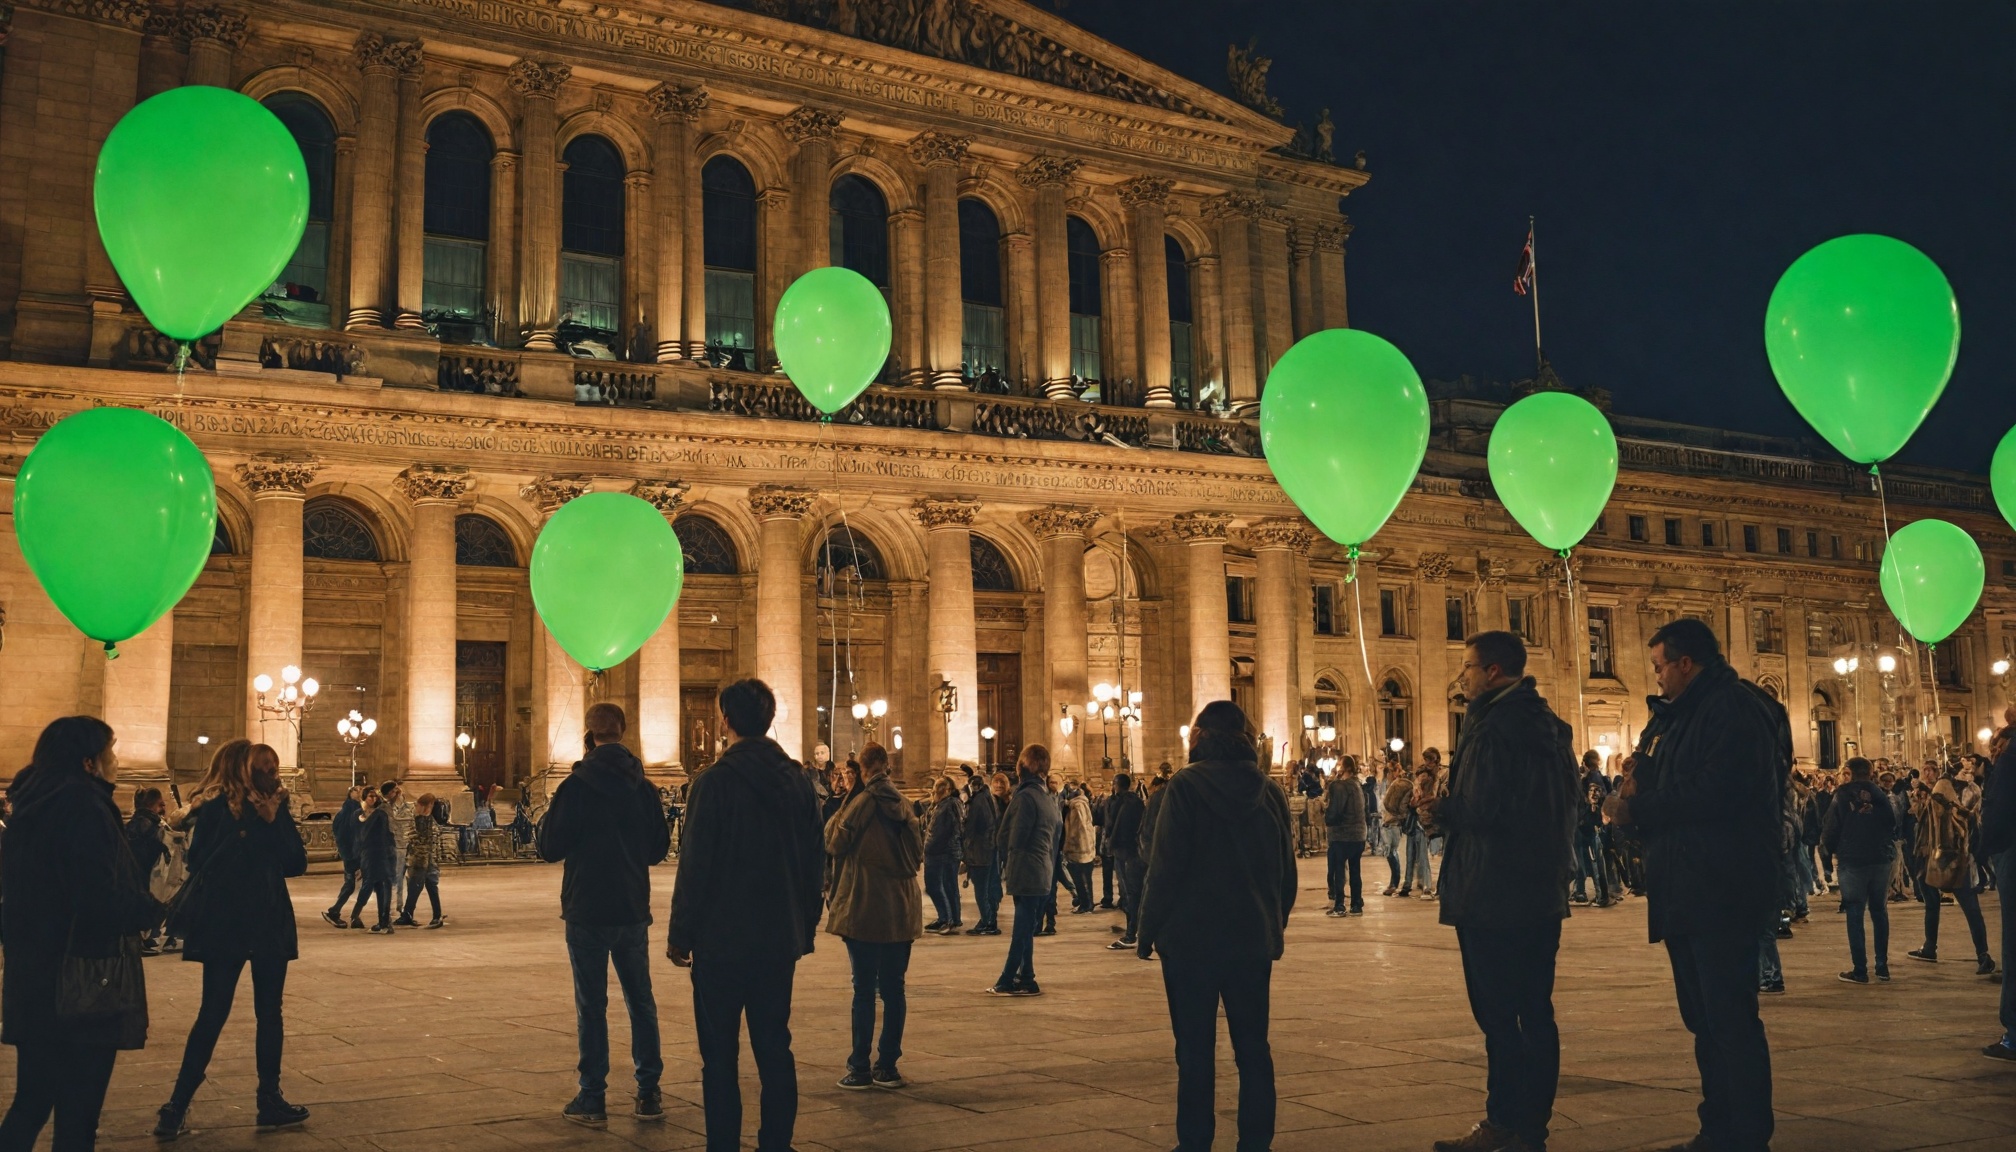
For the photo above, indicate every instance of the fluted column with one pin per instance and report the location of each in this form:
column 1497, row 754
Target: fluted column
column 1147, row 201
column 430, row 619
column 1203, row 536
column 775, row 226
column 537, row 84
column 1332, row 311
column 1117, row 313
column 1234, row 213
column 1302, row 282
column 410, row 185
column 1276, row 543
column 163, row 62
column 950, row 643
column 939, row 155
column 213, row 34
column 1049, row 175
column 1273, row 303
column 780, row 632
column 371, row 207
column 136, row 703
column 501, row 275
column 677, row 111
column 658, row 661
column 558, row 686
column 1207, row 330
column 279, row 487
column 637, row 318
column 1062, row 528
column 811, row 129
column 1025, row 358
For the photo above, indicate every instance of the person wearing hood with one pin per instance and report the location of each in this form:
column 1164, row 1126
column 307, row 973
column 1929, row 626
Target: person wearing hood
column 604, row 824
column 1706, row 795
column 745, row 909
column 875, row 846
column 976, row 846
column 1221, row 882
column 1030, row 829
column 1509, row 817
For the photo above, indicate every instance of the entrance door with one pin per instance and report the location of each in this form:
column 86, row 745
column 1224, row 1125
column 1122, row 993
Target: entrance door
column 1001, row 705
column 479, row 709
column 699, row 721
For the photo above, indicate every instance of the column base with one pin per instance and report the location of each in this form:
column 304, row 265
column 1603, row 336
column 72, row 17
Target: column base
column 950, row 381
column 540, row 341
column 1065, row 389
column 1159, row 398
column 364, row 318
column 409, row 320
column 696, row 351
column 670, row 351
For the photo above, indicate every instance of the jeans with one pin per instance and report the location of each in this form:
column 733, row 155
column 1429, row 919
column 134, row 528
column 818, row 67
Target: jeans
column 1417, row 863
column 1509, row 972
column 1804, row 881
column 724, row 992
column 986, row 892
column 220, row 987
column 878, row 970
column 1195, row 987
column 1715, row 980
column 591, row 950
column 1769, row 969
column 353, row 881
column 376, row 886
column 941, row 883
column 1389, row 847
column 417, row 879
column 68, row 1080
column 1867, row 886
column 1020, row 967
column 1343, row 870
column 1970, row 907
column 1589, row 864
column 1133, row 872
column 1081, row 886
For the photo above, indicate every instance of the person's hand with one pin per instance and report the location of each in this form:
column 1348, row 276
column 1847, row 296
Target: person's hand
column 680, row 959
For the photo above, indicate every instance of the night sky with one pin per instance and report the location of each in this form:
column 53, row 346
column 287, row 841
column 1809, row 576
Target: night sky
column 1677, row 155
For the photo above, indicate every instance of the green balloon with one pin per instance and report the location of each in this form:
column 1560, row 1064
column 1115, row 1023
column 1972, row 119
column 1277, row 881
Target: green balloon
column 832, row 335
column 201, row 196
column 115, row 510
column 1344, row 424
column 1932, row 577
column 2002, row 476
column 606, row 571
column 1862, row 333
column 1553, row 461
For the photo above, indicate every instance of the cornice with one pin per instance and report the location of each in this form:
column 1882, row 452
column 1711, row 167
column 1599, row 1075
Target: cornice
column 120, row 13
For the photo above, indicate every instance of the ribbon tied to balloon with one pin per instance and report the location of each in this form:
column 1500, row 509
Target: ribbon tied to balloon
column 606, row 571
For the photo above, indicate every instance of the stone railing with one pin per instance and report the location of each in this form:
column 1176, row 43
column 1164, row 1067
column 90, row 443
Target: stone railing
column 630, row 385
column 486, row 375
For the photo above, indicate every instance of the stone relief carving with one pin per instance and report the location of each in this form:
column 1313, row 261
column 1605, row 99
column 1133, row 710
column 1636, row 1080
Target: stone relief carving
column 433, row 482
column 1064, row 520
column 664, row 495
column 1492, row 571
column 339, row 358
column 1043, row 170
column 1145, row 190
column 125, row 13
column 1281, row 532
column 533, row 78
column 270, row 472
column 802, row 124
column 667, row 102
column 1241, row 204
column 1247, row 71
column 933, row 513
column 1435, row 567
column 548, row 493
column 930, row 148
column 375, row 51
column 219, row 24
column 771, row 501
column 1195, row 526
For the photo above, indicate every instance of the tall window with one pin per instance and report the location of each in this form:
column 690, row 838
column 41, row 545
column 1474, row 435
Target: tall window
column 991, row 571
column 859, row 238
column 728, row 224
column 1520, row 618
column 457, row 222
column 1082, row 257
column 1454, row 619
column 301, row 294
column 1749, row 538
column 1637, row 526
column 1672, row 531
column 1182, row 337
column 984, row 341
column 1392, row 612
column 1785, row 541
column 1707, row 534
column 1324, row 599
column 1813, row 544
column 591, row 245
column 1602, row 656
column 1769, row 631
column 1239, row 599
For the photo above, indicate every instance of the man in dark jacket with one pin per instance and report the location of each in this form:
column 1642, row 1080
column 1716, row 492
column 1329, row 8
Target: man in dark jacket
column 1996, row 840
column 1509, row 816
column 976, row 845
column 343, row 829
column 1031, row 835
column 1221, row 882
column 1858, row 832
column 1589, row 863
column 1123, row 835
column 1706, row 798
column 606, row 826
column 145, row 840
column 1344, row 820
column 745, row 908
column 377, row 853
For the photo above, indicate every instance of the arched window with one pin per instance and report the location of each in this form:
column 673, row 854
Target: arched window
column 982, row 293
column 481, row 543
column 1182, row 338
column 1081, row 249
column 457, row 223
column 301, row 294
column 709, row 551
column 1396, row 719
column 333, row 530
column 991, row 572
column 728, row 227
column 1329, row 705
column 220, row 540
column 860, row 229
column 1827, row 731
column 848, row 554
column 591, row 245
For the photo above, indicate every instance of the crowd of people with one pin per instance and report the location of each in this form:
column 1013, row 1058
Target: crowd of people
column 1706, row 820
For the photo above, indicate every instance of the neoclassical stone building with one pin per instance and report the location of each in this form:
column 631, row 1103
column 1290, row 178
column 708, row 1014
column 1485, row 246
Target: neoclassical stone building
column 545, row 241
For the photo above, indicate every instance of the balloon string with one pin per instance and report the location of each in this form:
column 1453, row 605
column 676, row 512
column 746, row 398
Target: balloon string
column 1904, row 596
column 1364, row 658
column 1575, row 644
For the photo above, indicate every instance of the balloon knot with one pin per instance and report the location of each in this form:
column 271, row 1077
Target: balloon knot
column 1562, row 553
column 111, row 650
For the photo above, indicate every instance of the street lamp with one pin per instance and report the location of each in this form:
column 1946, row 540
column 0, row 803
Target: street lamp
column 295, row 697
column 1065, row 723
column 463, row 743
column 869, row 716
column 987, row 738
column 1326, row 735
column 1985, row 735
column 355, row 729
column 1886, row 663
column 1395, row 745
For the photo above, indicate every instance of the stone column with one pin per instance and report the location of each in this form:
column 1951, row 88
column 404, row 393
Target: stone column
column 944, row 307
column 410, row 191
column 1062, row 528
column 1328, row 276
column 811, row 129
column 430, row 619
column 371, row 207
column 676, row 111
column 213, row 35
column 501, row 276
column 658, row 662
column 637, row 318
column 1049, row 175
column 1739, row 645
column 558, row 683
column 279, row 487
column 136, row 703
column 780, row 596
column 774, row 261
column 537, row 84
column 1273, row 307
column 1117, row 328
column 1276, row 543
column 1234, row 213
column 1207, row 331
column 1147, row 201
column 1203, row 535
column 908, row 349
column 1302, row 282
column 1025, row 358
column 1799, row 680
column 951, row 646
column 163, row 62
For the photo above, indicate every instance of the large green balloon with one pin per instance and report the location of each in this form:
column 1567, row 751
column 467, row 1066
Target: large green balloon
column 115, row 510
column 832, row 335
column 2002, row 476
column 1932, row 577
column 1862, row 333
column 606, row 570
column 1344, row 423
column 201, row 197
column 1553, row 461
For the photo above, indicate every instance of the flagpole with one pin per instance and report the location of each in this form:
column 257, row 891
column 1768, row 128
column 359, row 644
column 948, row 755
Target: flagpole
column 1533, row 270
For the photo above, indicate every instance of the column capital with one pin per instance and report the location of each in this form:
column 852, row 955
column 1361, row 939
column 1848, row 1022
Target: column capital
column 777, row 502
column 273, row 473
column 1434, row 567
column 548, row 493
column 1048, row 170
column 212, row 23
column 536, row 78
column 1282, row 532
column 1331, row 237
column 935, row 514
column 664, row 495
column 807, row 123
column 433, row 483
column 1145, row 192
column 1201, row 527
column 928, row 149
column 670, row 103
column 1063, row 520
column 1235, row 205
column 376, row 53
column 124, row 13
column 1735, row 593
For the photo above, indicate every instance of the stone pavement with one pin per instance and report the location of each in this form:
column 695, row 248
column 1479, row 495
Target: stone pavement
column 463, row 1039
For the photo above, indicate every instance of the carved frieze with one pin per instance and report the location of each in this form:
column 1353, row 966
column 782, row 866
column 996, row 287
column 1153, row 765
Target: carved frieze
column 776, row 502
column 664, row 495
column 1042, row 170
column 1200, row 527
column 1064, row 520
column 668, row 102
column 211, row 23
column 1491, row 571
column 1243, row 205
column 1434, row 567
column 1735, row 592
column 548, row 493
column 537, row 78
column 1145, row 191
column 1282, row 532
column 808, row 123
column 433, row 483
column 929, row 148
column 375, row 51
column 935, row 513
column 271, row 472
column 124, row 13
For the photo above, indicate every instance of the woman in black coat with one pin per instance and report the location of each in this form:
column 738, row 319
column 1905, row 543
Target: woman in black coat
column 242, row 849
column 72, row 888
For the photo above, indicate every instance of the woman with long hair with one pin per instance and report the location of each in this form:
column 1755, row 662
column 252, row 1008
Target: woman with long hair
column 73, row 890
column 242, row 849
column 876, row 847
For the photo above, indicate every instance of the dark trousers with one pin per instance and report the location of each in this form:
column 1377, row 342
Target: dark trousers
column 941, row 883
column 986, row 892
column 68, row 1080
column 353, row 881
column 220, row 987
column 1866, row 887
column 1715, row 979
column 1081, row 886
column 878, row 971
column 377, row 885
column 416, row 879
column 1106, row 867
column 1195, row 988
column 2005, row 871
column 724, row 992
column 1589, row 863
column 591, row 951
column 1344, row 856
column 1970, row 907
column 1020, row 967
column 1509, row 972
column 1133, row 871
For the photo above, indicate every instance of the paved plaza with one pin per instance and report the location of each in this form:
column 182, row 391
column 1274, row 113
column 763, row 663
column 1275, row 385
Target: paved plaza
column 464, row 1039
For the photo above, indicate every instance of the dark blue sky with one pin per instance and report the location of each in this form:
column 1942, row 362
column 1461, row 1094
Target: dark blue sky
column 1678, row 157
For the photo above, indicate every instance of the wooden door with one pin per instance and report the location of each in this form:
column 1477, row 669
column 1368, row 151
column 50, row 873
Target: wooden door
column 1001, row 705
column 479, row 709
column 699, row 724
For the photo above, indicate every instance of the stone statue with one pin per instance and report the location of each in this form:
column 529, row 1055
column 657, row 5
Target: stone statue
column 1247, row 71
column 1326, row 131
column 1358, row 161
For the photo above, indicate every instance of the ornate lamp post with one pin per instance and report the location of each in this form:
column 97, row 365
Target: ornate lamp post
column 291, row 703
column 355, row 729
column 987, row 740
column 1848, row 666
column 869, row 714
column 463, row 743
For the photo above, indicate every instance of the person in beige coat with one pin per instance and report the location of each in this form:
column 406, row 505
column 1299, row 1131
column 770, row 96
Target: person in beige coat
column 875, row 906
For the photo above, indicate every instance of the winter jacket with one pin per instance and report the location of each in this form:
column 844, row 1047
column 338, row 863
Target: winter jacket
column 1861, row 826
column 1712, row 769
column 146, row 840
column 1998, row 806
column 1344, row 810
column 1509, row 815
column 876, row 848
column 606, row 825
column 423, row 850
column 1221, row 870
column 1080, row 843
column 1150, row 814
column 1124, row 813
column 377, row 847
column 1396, row 807
column 344, row 831
column 245, row 861
column 943, row 841
column 1589, row 809
column 976, row 839
column 1029, row 833
column 751, row 865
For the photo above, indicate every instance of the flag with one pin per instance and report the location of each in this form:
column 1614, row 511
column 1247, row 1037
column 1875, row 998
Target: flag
column 1522, row 280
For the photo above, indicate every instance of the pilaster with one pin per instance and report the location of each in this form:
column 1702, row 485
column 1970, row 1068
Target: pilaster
column 1147, row 201
column 780, row 634
column 279, row 487
column 538, row 87
column 434, row 491
column 658, row 661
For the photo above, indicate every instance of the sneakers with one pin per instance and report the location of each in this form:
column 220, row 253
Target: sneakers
column 1856, row 977
column 356, row 922
column 1771, row 988
column 1578, row 898
column 405, row 922
column 436, row 922
column 381, row 929
column 1029, row 989
column 889, row 1078
column 1000, row 990
column 934, row 925
column 1984, row 966
column 1333, row 911
column 333, row 918
column 650, row 1104
column 855, row 1081
column 1999, row 1050
column 1485, row 1137
column 586, row 1110
column 172, row 1121
column 276, row 1112
column 977, row 930
column 1121, row 945
column 949, row 930
column 1359, row 911
column 1927, row 955
column 1882, row 974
